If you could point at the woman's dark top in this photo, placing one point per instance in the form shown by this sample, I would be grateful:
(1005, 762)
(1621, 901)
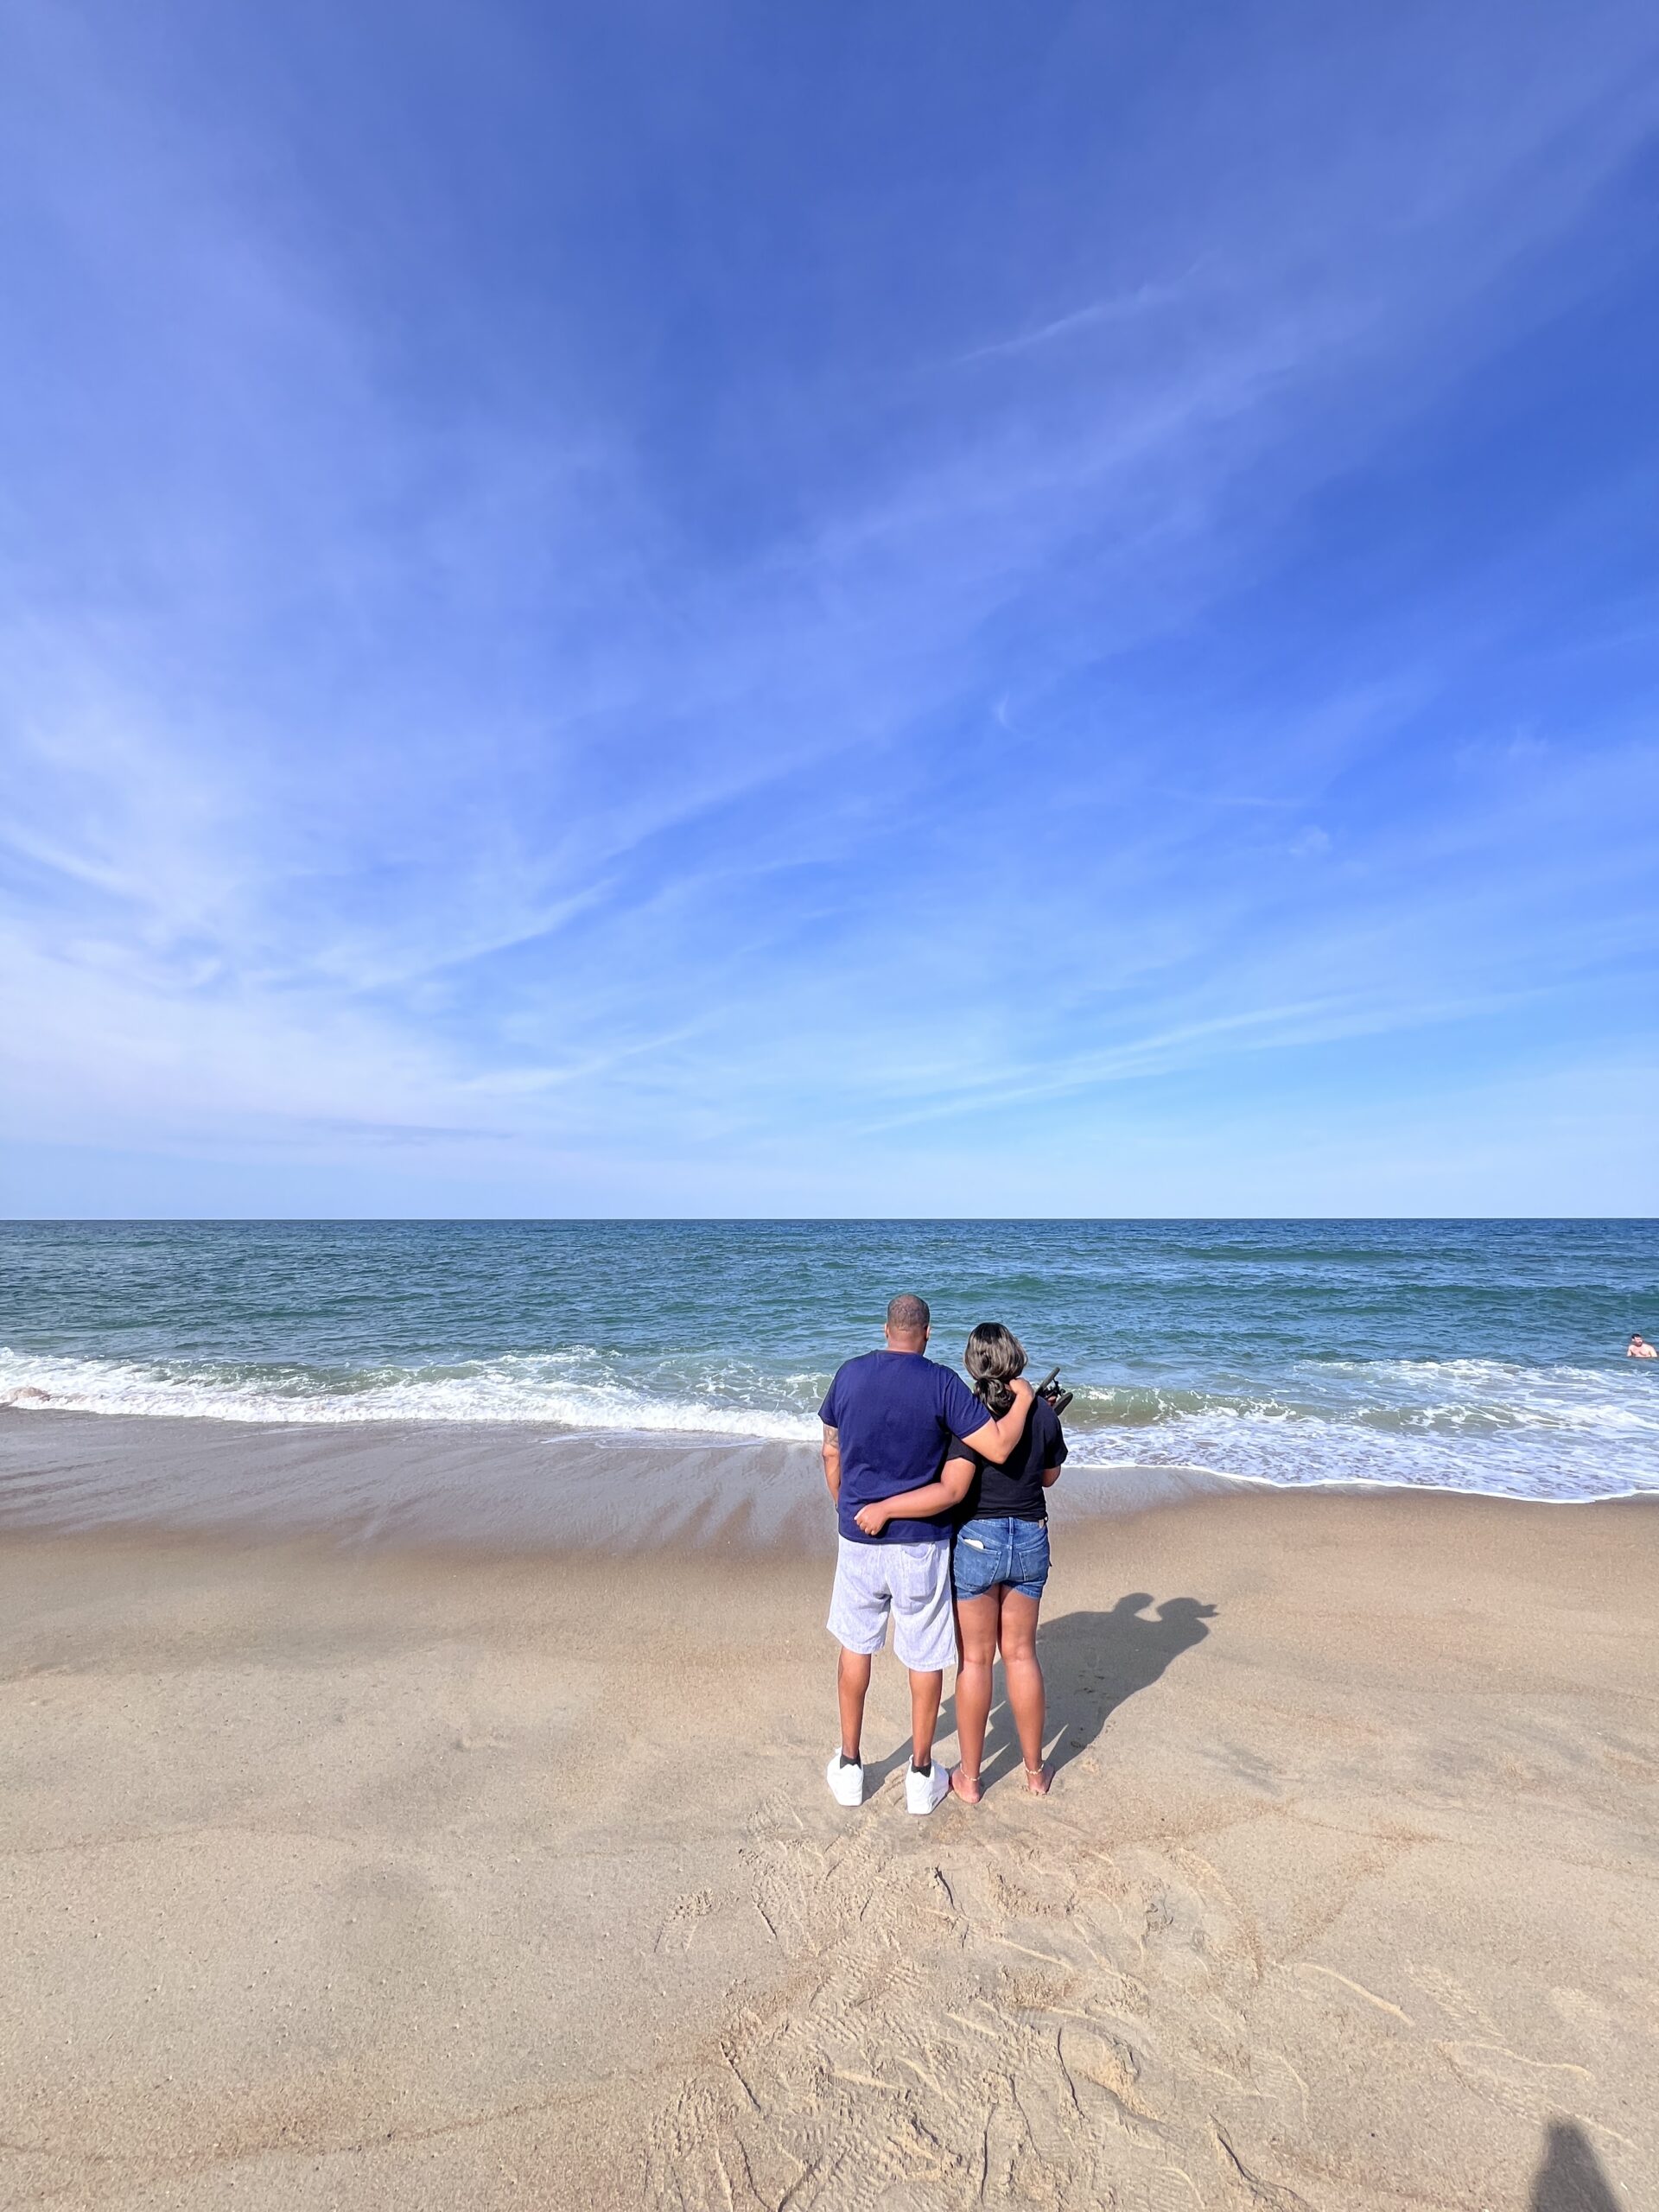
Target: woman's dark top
(1014, 1491)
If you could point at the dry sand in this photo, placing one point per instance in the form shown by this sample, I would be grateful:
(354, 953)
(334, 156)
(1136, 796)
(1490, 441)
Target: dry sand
(410, 1881)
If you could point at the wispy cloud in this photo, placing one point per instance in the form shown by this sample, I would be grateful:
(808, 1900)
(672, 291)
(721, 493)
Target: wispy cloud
(1145, 299)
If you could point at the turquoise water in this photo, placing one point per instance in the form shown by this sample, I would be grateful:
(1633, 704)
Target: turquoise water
(1461, 1355)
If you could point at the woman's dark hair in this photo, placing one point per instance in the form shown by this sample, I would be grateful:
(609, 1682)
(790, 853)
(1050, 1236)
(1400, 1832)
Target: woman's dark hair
(994, 1355)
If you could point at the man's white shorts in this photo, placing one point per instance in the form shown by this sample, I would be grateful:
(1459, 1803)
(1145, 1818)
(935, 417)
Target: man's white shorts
(913, 1582)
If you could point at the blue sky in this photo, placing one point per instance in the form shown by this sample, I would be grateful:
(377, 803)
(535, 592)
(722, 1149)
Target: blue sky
(757, 609)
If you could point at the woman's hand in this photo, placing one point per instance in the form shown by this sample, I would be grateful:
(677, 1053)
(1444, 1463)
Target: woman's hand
(873, 1519)
(1023, 1393)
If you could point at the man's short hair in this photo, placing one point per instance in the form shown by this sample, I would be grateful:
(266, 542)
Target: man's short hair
(908, 1315)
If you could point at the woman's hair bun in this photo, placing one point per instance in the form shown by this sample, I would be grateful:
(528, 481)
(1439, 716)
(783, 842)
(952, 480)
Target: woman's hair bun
(994, 1355)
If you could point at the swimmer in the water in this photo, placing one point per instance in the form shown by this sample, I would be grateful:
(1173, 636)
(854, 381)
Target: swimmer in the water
(1637, 1348)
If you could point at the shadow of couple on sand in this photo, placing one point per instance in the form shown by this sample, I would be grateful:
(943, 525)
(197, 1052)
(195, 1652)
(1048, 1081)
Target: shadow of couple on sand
(1092, 1662)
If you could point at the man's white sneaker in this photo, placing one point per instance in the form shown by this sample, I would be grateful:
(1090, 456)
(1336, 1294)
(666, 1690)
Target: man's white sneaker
(924, 1791)
(846, 1783)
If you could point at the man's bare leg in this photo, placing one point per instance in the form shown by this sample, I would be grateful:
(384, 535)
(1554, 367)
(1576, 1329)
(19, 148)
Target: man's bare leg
(852, 1684)
(925, 1691)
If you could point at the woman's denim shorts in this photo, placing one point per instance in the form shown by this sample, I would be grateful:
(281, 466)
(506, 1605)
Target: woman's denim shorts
(1013, 1553)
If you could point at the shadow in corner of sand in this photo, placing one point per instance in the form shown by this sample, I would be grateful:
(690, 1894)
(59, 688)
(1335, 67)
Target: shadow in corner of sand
(1570, 2179)
(1093, 1662)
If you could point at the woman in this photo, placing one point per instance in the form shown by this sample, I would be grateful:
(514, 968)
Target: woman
(999, 1561)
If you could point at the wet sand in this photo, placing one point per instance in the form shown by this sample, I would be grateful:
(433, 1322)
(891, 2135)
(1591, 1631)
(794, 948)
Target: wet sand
(510, 1486)
(379, 1878)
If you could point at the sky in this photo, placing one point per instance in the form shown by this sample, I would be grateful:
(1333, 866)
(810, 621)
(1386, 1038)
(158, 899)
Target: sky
(626, 609)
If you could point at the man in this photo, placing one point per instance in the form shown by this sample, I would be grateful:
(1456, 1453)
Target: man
(888, 1421)
(1638, 1349)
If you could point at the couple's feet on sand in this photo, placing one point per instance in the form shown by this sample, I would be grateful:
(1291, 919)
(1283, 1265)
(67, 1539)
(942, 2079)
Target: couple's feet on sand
(924, 1789)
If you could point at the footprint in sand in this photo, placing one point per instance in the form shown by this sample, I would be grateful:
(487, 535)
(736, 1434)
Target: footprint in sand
(679, 1929)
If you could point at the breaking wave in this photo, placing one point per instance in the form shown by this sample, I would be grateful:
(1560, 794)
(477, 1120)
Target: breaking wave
(1562, 1433)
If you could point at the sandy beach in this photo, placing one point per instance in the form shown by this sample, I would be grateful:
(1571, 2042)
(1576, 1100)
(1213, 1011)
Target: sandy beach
(433, 1878)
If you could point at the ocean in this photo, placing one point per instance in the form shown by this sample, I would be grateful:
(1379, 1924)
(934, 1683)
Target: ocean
(1462, 1356)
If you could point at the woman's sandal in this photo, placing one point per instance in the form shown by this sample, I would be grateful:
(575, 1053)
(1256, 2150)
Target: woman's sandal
(1039, 1788)
(962, 1785)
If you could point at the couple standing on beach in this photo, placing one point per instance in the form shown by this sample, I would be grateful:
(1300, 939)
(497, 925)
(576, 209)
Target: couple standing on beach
(941, 1505)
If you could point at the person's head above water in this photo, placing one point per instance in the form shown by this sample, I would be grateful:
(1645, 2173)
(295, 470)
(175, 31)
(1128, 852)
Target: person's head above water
(908, 1322)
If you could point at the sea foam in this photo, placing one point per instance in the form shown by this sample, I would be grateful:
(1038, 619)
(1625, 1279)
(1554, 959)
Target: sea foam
(1484, 1426)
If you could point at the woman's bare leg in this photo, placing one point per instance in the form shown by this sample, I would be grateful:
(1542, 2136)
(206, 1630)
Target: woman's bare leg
(976, 1629)
(1024, 1678)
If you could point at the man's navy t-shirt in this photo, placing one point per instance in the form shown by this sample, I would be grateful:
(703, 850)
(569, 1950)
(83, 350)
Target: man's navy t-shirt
(895, 1413)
